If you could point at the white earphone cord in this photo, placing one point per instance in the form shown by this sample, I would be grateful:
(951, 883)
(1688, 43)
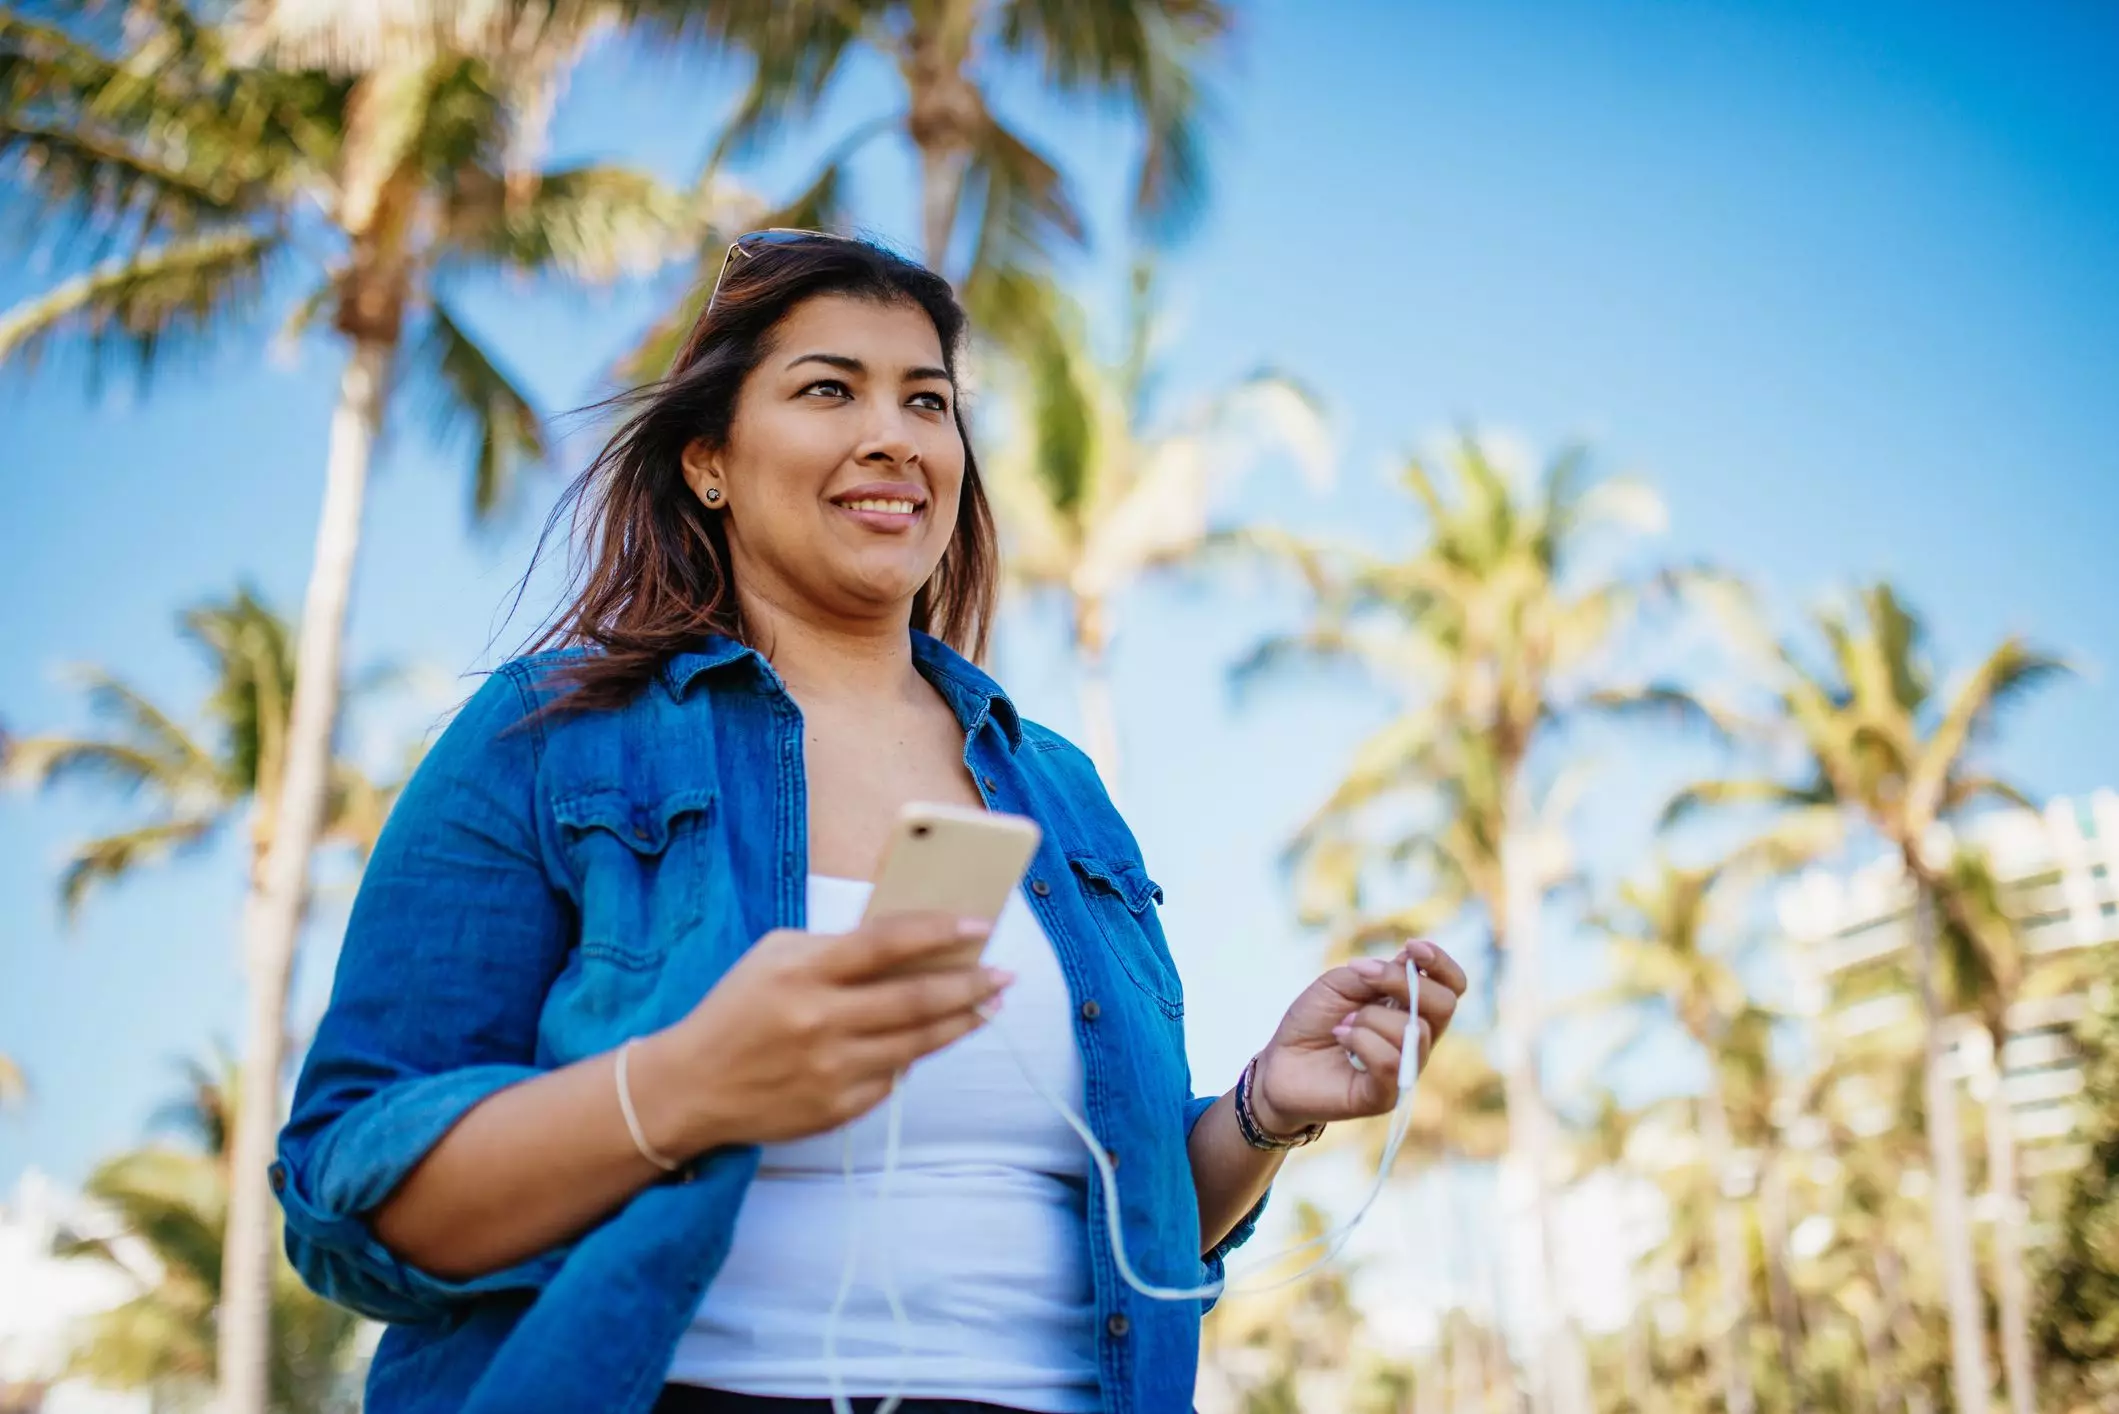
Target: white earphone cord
(1401, 1121)
(1333, 1239)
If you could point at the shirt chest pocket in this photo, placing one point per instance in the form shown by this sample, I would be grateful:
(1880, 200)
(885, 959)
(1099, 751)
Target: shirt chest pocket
(642, 862)
(1121, 898)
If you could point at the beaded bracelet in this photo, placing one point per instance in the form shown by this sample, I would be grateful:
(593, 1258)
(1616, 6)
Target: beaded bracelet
(1254, 1134)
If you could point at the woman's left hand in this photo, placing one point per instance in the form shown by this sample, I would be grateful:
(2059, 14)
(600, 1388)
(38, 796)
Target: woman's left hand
(1303, 1075)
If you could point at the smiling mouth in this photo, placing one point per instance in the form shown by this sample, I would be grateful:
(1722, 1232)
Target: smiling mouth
(887, 505)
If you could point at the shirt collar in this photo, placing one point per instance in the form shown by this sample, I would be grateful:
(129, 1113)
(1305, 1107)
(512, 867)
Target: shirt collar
(970, 693)
(714, 651)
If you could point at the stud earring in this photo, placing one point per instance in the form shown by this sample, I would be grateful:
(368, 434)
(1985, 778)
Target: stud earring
(713, 495)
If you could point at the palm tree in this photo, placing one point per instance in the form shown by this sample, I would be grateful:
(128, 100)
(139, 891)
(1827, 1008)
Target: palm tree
(2077, 1329)
(1885, 746)
(1665, 964)
(1142, 53)
(206, 174)
(1494, 634)
(169, 1209)
(1094, 490)
(1986, 972)
(197, 781)
(1875, 1277)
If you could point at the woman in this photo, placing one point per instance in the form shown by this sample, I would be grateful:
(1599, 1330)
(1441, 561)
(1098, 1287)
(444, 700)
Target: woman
(606, 1025)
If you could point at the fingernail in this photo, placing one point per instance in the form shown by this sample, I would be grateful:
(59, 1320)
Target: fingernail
(999, 977)
(1342, 1031)
(1422, 950)
(1369, 967)
(993, 1004)
(1351, 1018)
(969, 928)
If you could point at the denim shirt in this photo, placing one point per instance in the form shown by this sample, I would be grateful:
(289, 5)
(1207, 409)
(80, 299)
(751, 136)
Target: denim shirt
(545, 889)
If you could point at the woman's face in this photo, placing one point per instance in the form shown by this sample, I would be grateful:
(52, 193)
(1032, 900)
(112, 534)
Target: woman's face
(843, 467)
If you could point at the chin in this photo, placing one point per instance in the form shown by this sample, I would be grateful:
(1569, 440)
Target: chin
(878, 586)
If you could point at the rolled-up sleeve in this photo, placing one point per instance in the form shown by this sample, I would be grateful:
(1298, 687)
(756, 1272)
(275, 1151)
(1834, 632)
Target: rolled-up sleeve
(1213, 1265)
(454, 941)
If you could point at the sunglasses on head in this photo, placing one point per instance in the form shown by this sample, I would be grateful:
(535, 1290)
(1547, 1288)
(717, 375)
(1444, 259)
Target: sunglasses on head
(747, 244)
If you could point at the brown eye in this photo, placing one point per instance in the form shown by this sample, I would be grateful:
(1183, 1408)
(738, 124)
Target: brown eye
(837, 389)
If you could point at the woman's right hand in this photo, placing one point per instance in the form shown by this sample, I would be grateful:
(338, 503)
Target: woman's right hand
(808, 1031)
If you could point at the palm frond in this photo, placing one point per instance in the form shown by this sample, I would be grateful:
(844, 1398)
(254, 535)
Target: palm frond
(2011, 671)
(1062, 418)
(92, 181)
(796, 48)
(183, 290)
(1749, 791)
(722, 212)
(1671, 704)
(472, 394)
(1025, 211)
(109, 858)
(592, 223)
(1148, 54)
(141, 721)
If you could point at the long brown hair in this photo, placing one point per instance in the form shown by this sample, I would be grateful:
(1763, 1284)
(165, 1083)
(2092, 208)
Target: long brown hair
(655, 576)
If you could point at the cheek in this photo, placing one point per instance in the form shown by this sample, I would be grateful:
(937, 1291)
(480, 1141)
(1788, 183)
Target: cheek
(945, 476)
(782, 461)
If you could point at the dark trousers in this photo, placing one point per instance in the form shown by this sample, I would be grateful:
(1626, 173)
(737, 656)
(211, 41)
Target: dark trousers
(690, 1399)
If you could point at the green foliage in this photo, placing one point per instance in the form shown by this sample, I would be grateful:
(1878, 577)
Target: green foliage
(193, 778)
(2079, 1322)
(168, 1209)
(208, 180)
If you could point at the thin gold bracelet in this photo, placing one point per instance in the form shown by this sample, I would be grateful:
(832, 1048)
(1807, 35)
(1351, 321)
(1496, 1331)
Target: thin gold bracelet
(632, 1120)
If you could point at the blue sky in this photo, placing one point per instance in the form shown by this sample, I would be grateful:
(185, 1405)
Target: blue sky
(1838, 281)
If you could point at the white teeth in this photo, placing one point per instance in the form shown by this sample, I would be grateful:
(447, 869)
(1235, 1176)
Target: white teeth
(901, 508)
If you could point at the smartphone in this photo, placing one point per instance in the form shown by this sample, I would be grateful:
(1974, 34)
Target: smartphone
(953, 860)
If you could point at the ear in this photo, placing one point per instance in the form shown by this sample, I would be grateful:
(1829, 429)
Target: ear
(702, 468)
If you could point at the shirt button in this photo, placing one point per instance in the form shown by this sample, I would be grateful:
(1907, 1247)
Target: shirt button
(1040, 888)
(1090, 1010)
(639, 832)
(1118, 1325)
(278, 1174)
(989, 785)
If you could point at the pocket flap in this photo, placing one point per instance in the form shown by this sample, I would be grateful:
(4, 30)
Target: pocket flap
(1122, 877)
(642, 825)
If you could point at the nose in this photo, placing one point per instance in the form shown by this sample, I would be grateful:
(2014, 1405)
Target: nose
(887, 439)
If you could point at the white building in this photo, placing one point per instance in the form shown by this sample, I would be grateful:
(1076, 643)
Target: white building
(43, 1299)
(2059, 874)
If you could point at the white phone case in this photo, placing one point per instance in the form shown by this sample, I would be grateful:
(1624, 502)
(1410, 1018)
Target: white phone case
(953, 860)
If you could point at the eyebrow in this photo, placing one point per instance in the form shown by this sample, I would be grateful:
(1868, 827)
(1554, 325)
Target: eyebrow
(854, 365)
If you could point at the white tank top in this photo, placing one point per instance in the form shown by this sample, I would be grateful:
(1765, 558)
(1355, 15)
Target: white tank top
(984, 1225)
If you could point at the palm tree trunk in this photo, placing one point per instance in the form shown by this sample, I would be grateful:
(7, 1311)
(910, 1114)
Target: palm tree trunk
(1878, 1334)
(1559, 1382)
(1780, 1289)
(273, 913)
(2009, 1279)
(1737, 1395)
(1467, 1372)
(1092, 656)
(941, 185)
(1969, 1380)
(1641, 1394)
